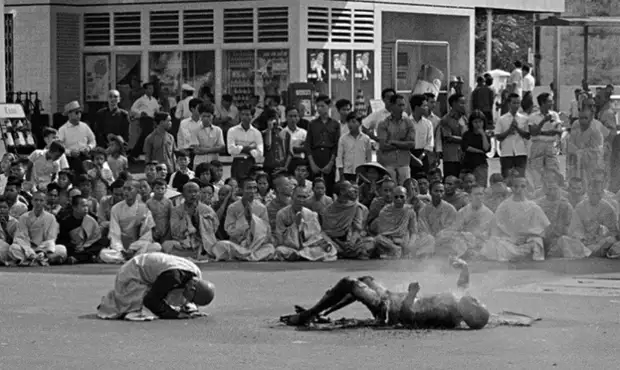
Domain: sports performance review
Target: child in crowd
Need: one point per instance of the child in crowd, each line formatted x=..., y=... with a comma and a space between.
x=17, y=204
x=183, y=173
x=85, y=185
x=101, y=174
x=5, y=167
x=52, y=205
x=117, y=161
x=319, y=202
x=217, y=173
x=49, y=136
x=423, y=185
x=264, y=193
x=150, y=171
x=206, y=193
x=234, y=185
x=301, y=175
x=161, y=171
x=18, y=169
x=65, y=182
x=145, y=190
x=44, y=167
x=160, y=208
x=160, y=144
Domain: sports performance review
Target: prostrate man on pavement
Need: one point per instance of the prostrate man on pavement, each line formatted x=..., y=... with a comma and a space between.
x=298, y=234
x=443, y=310
x=131, y=228
x=193, y=225
x=156, y=285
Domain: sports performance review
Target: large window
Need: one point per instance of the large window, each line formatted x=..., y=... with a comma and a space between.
x=128, y=72
x=199, y=71
x=165, y=74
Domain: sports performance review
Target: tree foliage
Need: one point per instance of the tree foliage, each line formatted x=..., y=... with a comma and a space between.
x=512, y=36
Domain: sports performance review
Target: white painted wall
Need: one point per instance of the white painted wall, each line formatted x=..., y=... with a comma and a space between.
x=32, y=51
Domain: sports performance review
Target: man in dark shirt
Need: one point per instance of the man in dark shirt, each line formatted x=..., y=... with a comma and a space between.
x=111, y=120
x=156, y=281
x=482, y=99
x=322, y=144
x=79, y=232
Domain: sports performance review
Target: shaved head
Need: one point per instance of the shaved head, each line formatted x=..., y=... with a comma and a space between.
x=399, y=196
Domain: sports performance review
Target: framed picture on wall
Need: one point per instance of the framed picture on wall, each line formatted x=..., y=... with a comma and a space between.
x=97, y=76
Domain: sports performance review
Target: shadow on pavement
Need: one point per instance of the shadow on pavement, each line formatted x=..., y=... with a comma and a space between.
x=557, y=266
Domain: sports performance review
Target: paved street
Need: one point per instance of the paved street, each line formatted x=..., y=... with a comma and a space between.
x=47, y=320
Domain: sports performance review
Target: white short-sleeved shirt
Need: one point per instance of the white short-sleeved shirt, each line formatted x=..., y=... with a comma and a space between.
x=297, y=139
x=516, y=77
x=529, y=83
x=514, y=145
x=536, y=119
x=76, y=137
x=43, y=170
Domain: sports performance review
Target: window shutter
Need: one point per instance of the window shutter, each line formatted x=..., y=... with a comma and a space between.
x=238, y=25
x=97, y=29
x=127, y=28
x=273, y=24
x=341, y=25
x=198, y=27
x=8, y=51
x=164, y=27
x=318, y=24
x=363, y=25
x=67, y=58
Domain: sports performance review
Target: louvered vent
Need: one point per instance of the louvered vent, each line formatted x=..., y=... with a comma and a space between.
x=341, y=25
x=363, y=25
x=127, y=28
x=164, y=27
x=238, y=25
x=97, y=29
x=273, y=24
x=68, y=59
x=387, y=65
x=198, y=27
x=318, y=24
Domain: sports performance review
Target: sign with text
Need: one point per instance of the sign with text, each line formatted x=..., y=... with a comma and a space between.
x=12, y=111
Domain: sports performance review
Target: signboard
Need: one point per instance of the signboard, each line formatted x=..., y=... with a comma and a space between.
x=12, y=111
x=364, y=79
x=341, y=74
x=318, y=70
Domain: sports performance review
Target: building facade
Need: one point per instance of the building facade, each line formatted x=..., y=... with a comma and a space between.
x=78, y=49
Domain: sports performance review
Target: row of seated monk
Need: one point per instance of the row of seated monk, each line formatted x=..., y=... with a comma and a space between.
x=300, y=222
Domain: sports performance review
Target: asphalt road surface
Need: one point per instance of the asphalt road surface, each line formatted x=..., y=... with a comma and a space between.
x=47, y=320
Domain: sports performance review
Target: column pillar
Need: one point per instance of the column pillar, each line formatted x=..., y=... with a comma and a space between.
x=489, y=38
x=2, y=61
x=586, y=36
x=556, y=68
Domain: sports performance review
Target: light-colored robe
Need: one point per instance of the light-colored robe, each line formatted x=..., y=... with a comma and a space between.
x=18, y=209
x=516, y=232
x=493, y=199
x=584, y=153
x=559, y=212
x=187, y=240
x=36, y=235
x=248, y=241
x=468, y=232
x=273, y=207
x=458, y=200
x=304, y=242
x=131, y=229
x=592, y=232
x=344, y=224
x=161, y=210
x=396, y=231
x=7, y=233
x=432, y=221
x=134, y=280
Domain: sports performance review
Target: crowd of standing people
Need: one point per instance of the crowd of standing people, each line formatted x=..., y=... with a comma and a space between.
x=311, y=189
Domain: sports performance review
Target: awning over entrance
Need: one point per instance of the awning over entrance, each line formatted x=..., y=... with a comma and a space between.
x=579, y=22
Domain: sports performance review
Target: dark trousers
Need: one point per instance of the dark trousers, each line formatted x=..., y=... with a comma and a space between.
x=146, y=127
x=241, y=167
x=419, y=172
x=451, y=169
x=321, y=157
x=518, y=162
x=490, y=124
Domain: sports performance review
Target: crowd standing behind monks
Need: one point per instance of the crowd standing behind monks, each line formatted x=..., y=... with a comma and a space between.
x=321, y=197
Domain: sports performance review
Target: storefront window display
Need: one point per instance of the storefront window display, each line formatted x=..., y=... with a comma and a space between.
x=128, y=72
x=239, y=68
x=199, y=70
x=165, y=74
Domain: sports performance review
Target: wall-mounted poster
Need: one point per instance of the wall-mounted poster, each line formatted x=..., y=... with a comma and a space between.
x=96, y=77
x=364, y=79
x=165, y=74
x=272, y=72
x=341, y=74
x=318, y=70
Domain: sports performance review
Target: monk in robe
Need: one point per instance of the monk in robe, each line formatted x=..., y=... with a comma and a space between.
x=226, y=197
x=518, y=228
x=318, y=201
x=557, y=209
x=8, y=227
x=35, y=238
x=454, y=195
x=396, y=226
x=193, y=225
x=576, y=191
x=161, y=208
x=247, y=225
x=343, y=222
x=298, y=233
x=377, y=204
x=599, y=176
x=156, y=285
x=17, y=204
x=584, y=152
x=283, y=189
x=131, y=228
x=436, y=216
x=496, y=193
x=80, y=233
x=470, y=229
x=106, y=204
x=593, y=230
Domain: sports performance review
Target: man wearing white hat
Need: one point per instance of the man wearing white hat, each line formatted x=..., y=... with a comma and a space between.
x=76, y=136
x=187, y=93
